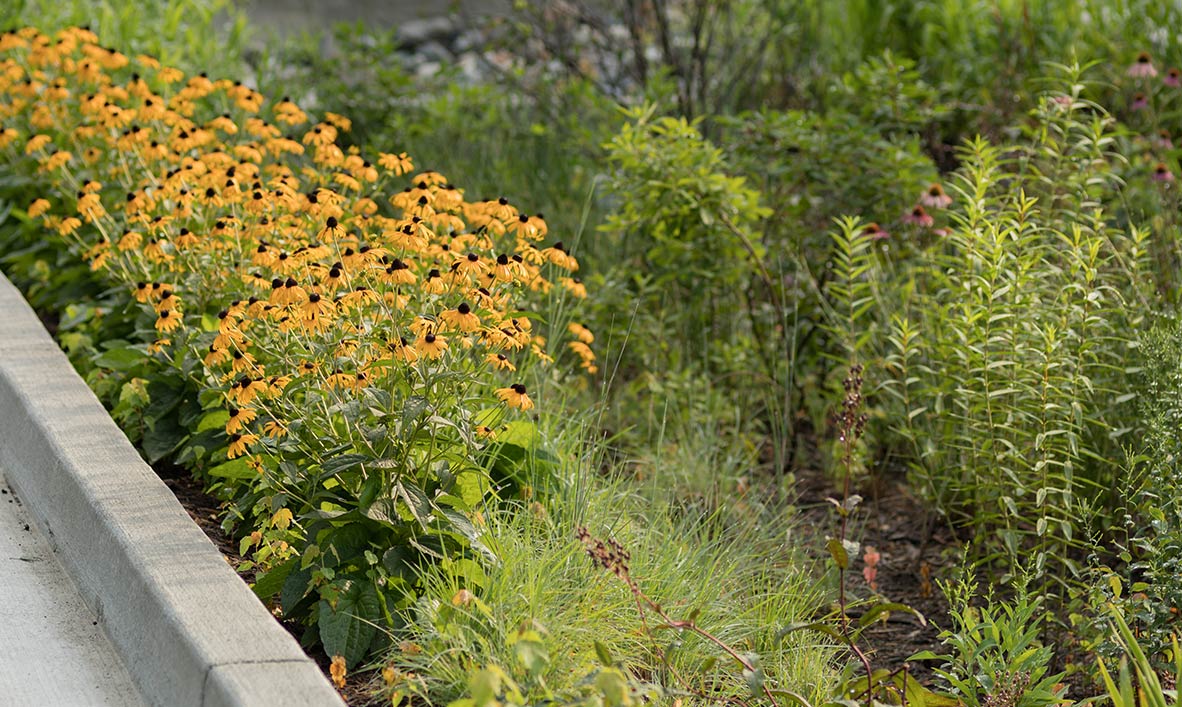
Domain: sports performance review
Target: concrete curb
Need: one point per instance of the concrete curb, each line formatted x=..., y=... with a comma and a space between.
x=188, y=628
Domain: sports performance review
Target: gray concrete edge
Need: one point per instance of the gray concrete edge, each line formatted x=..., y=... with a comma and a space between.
x=190, y=631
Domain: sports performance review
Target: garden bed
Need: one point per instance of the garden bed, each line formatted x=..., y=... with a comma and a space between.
x=189, y=630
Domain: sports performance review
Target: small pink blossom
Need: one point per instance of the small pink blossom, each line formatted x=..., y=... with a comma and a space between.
x=870, y=572
x=1143, y=67
x=919, y=217
x=1173, y=77
x=1163, y=140
x=1140, y=101
x=1162, y=173
x=875, y=232
x=935, y=197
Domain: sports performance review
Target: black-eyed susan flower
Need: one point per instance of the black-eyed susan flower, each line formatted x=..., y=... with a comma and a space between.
x=431, y=346
x=515, y=396
x=398, y=272
x=581, y=332
x=167, y=300
x=574, y=286
x=316, y=307
x=403, y=351
x=462, y=318
x=242, y=361
x=434, y=284
x=239, y=418
x=500, y=361
x=168, y=321
x=216, y=356
x=37, y=142
x=244, y=391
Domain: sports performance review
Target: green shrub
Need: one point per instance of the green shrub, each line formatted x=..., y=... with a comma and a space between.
x=1010, y=358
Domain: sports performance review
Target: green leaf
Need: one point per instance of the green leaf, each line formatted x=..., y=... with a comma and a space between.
x=531, y=652
x=604, y=655
x=343, y=462
x=165, y=394
x=348, y=628
x=838, y=553
x=345, y=543
x=484, y=685
x=162, y=438
x=927, y=655
x=613, y=685
x=271, y=583
x=122, y=359
x=295, y=588
x=369, y=491
x=233, y=469
x=214, y=420
x=886, y=607
x=754, y=680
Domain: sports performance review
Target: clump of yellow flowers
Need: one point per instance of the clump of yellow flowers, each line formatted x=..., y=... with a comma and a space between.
x=334, y=302
x=319, y=265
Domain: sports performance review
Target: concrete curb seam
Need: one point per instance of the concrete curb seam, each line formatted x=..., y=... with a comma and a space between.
x=188, y=628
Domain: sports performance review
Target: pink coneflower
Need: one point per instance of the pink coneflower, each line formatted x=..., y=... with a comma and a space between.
x=935, y=197
x=1143, y=67
x=1163, y=140
x=875, y=232
x=1173, y=77
x=919, y=217
x=1140, y=101
x=1162, y=173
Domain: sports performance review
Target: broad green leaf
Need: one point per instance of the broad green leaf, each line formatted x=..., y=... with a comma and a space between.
x=348, y=628
x=271, y=583
x=233, y=469
x=122, y=359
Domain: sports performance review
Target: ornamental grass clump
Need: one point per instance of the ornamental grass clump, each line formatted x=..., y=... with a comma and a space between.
x=360, y=333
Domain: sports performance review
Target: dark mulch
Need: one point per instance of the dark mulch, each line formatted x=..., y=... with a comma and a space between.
x=898, y=525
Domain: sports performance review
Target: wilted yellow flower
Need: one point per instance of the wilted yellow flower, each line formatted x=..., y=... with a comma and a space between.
x=337, y=671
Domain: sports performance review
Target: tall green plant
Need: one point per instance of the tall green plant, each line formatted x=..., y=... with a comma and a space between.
x=1011, y=355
